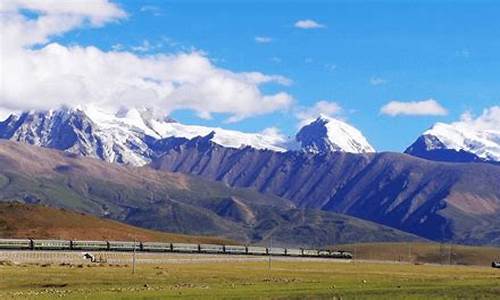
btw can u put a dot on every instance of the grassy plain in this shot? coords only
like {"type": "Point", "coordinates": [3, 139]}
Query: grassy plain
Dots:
{"type": "Point", "coordinates": [430, 253]}
{"type": "Point", "coordinates": [250, 280]}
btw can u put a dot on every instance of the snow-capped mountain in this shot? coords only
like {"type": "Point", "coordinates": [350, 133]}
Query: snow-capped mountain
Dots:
{"type": "Point", "coordinates": [73, 130]}
{"type": "Point", "coordinates": [136, 136]}
{"type": "Point", "coordinates": [125, 137]}
{"type": "Point", "coordinates": [328, 134]}
{"type": "Point", "coordinates": [457, 142]}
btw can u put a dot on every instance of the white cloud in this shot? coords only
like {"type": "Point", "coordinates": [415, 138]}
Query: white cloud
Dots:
{"type": "Point", "coordinates": [144, 47]}
{"type": "Point", "coordinates": [154, 10]}
{"type": "Point", "coordinates": [377, 81]}
{"type": "Point", "coordinates": [306, 115]}
{"type": "Point", "coordinates": [428, 107]}
{"type": "Point", "coordinates": [52, 74]}
{"type": "Point", "coordinates": [308, 24]}
{"type": "Point", "coordinates": [117, 47]}
{"type": "Point", "coordinates": [488, 120]}
{"type": "Point", "coordinates": [263, 39]}
{"type": "Point", "coordinates": [276, 60]}
{"type": "Point", "coordinates": [55, 18]}
{"type": "Point", "coordinates": [274, 134]}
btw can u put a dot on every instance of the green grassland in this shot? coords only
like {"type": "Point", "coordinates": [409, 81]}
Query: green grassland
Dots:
{"type": "Point", "coordinates": [254, 280]}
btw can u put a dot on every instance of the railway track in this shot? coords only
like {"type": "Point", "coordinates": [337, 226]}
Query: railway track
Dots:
{"type": "Point", "coordinates": [56, 257]}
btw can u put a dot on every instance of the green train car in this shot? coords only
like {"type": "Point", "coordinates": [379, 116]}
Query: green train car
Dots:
{"type": "Point", "coordinates": [76, 245]}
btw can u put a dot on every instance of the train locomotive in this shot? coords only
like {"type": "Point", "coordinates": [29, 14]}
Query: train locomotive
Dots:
{"type": "Point", "coordinates": [37, 244]}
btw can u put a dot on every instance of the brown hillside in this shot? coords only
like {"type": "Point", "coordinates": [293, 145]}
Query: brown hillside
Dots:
{"type": "Point", "coordinates": [41, 222]}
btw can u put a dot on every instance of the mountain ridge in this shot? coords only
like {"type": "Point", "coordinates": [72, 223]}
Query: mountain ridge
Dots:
{"type": "Point", "coordinates": [137, 136]}
{"type": "Point", "coordinates": [431, 199]}
{"type": "Point", "coordinates": [176, 203]}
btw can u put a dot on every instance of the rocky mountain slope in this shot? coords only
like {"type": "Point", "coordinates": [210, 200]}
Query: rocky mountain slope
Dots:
{"type": "Point", "coordinates": [457, 142]}
{"type": "Point", "coordinates": [440, 201]}
{"type": "Point", "coordinates": [171, 202]}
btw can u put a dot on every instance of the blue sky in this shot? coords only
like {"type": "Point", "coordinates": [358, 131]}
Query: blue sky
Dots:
{"type": "Point", "coordinates": [367, 54]}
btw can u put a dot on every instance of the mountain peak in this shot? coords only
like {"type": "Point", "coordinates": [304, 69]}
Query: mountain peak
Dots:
{"type": "Point", "coordinates": [323, 118]}
{"type": "Point", "coordinates": [124, 136]}
{"type": "Point", "coordinates": [327, 134]}
{"type": "Point", "coordinates": [457, 142]}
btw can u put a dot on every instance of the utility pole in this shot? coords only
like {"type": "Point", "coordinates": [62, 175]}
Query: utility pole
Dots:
{"type": "Point", "coordinates": [354, 256]}
{"type": "Point", "coordinates": [270, 252]}
{"type": "Point", "coordinates": [449, 254]}
{"type": "Point", "coordinates": [133, 260]}
{"type": "Point", "coordinates": [441, 253]}
{"type": "Point", "coordinates": [333, 236]}
{"type": "Point", "coordinates": [409, 252]}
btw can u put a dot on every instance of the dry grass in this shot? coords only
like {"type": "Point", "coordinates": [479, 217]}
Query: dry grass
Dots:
{"type": "Point", "coordinates": [425, 253]}
{"type": "Point", "coordinates": [35, 221]}
{"type": "Point", "coordinates": [250, 280]}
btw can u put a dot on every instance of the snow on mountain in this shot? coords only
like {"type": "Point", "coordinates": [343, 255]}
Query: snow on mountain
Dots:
{"type": "Point", "coordinates": [72, 130]}
{"type": "Point", "coordinates": [123, 137]}
{"type": "Point", "coordinates": [464, 142]}
{"type": "Point", "coordinates": [145, 122]}
{"type": "Point", "coordinates": [329, 134]}
{"type": "Point", "coordinates": [136, 136]}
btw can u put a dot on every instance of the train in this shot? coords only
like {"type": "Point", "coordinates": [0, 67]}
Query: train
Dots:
{"type": "Point", "coordinates": [78, 245]}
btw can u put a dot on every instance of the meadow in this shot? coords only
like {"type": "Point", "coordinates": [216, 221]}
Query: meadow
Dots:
{"type": "Point", "coordinates": [425, 253]}
{"type": "Point", "coordinates": [249, 280]}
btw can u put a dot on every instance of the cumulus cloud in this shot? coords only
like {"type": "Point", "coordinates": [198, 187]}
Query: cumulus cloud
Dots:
{"type": "Point", "coordinates": [54, 18]}
{"type": "Point", "coordinates": [428, 107]}
{"type": "Point", "coordinates": [488, 120]}
{"type": "Point", "coordinates": [308, 24]}
{"type": "Point", "coordinates": [263, 39]}
{"type": "Point", "coordinates": [50, 74]}
{"type": "Point", "coordinates": [306, 115]}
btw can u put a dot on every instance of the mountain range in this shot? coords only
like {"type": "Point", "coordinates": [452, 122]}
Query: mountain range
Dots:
{"type": "Point", "coordinates": [444, 187]}
{"type": "Point", "coordinates": [171, 202]}
{"type": "Point", "coordinates": [128, 137]}
{"type": "Point", "coordinates": [457, 202]}
{"type": "Point", "coordinates": [137, 136]}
